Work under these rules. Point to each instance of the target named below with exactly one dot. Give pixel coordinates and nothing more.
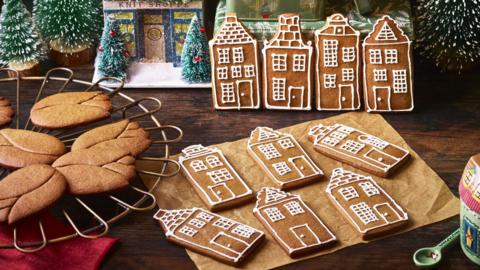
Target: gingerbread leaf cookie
(209, 234)
(120, 135)
(282, 158)
(6, 112)
(213, 177)
(338, 65)
(29, 190)
(20, 148)
(287, 67)
(70, 109)
(91, 171)
(358, 149)
(366, 206)
(295, 227)
(387, 68)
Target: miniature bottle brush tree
(114, 56)
(70, 27)
(195, 54)
(20, 44)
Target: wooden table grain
(444, 129)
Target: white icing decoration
(348, 193)
(287, 39)
(369, 189)
(243, 230)
(198, 166)
(330, 80)
(228, 94)
(380, 75)
(375, 56)
(348, 74)
(295, 206)
(233, 33)
(286, 143)
(366, 213)
(236, 71)
(348, 54)
(224, 172)
(196, 223)
(269, 151)
(299, 62)
(320, 134)
(400, 81)
(278, 88)
(282, 168)
(188, 231)
(223, 55)
(223, 223)
(372, 88)
(330, 52)
(191, 240)
(386, 33)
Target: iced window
(219, 176)
(224, 223)
(238, 55)
(279, 62)
(205, 216)
(269, 151)
(299, 62)
(330, 50)
(223, 55)
(380, 75)
(188, 231)
(278, 89)
(294, 208)
(386, 33)
(364, 213)
(243, 230)
(400, 81)
(214, 161)
(348, 193)
(274, 214)
(391, 56)
(286, 143)
(198, 166)
(373, 141)
(338, 135)
(281, 168)
(236, 71)
(348, 54)
(369, 189)
(347, 74)
(249, 71)
(196, 223)
(330, 80)
(352, 146)
(330, 141)
(345, 129)
(222, 73)
(375, 56)
(228, 95)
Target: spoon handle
(452, 238)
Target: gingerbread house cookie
(282, 158)
(291, 222)
(213, 178)
(209, 234)
(337, 65)
(358, 149)
(366, 206)
(234, 54)
(287, 67)
(387, 68)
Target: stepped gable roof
(232, 31)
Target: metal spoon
(431, 256)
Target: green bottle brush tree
(195, 54)
(114, 57)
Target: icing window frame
(274, 214)
(380, 75)
(294, 208)
(348, 54)
(330, 52)
(348, 193)
(243, 231)
(198, 166)
(375, 56)
(205, 216)
(214, 161)
(282, 168)
(348, 74)
(222, 73)
(220, 176)
(223, 55)
(330, 81)
(286, 143)
(188, 231)
(369, 188)
(299, 62)
(400, 85)
(391, 56)
(364, 213)
(238, 56)
(352, 146)
(224, 223)
(236, 71)
(279, 62)
(249, 71)
(330, 141)
(269, 151)
(197, 223)
(228, 92)
(278, 89)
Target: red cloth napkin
(78, 253)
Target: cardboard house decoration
(387, 67)
(209, 234)
(357, 148)
(155, 32)
(235, 66)
(291, 222)
(337, 65)
(287, 67)
(282, 158)
(213, 177)
(366, 206)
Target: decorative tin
(469, 189)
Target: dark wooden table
(444, 129)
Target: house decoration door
(245, 92)
(229, 243)
(305, 235)
(296, 96)
(386, 211)
(382, 98)
(222, 192)
(346, 96)
(303, 166)
(154, 38)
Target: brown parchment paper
(416, 187)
